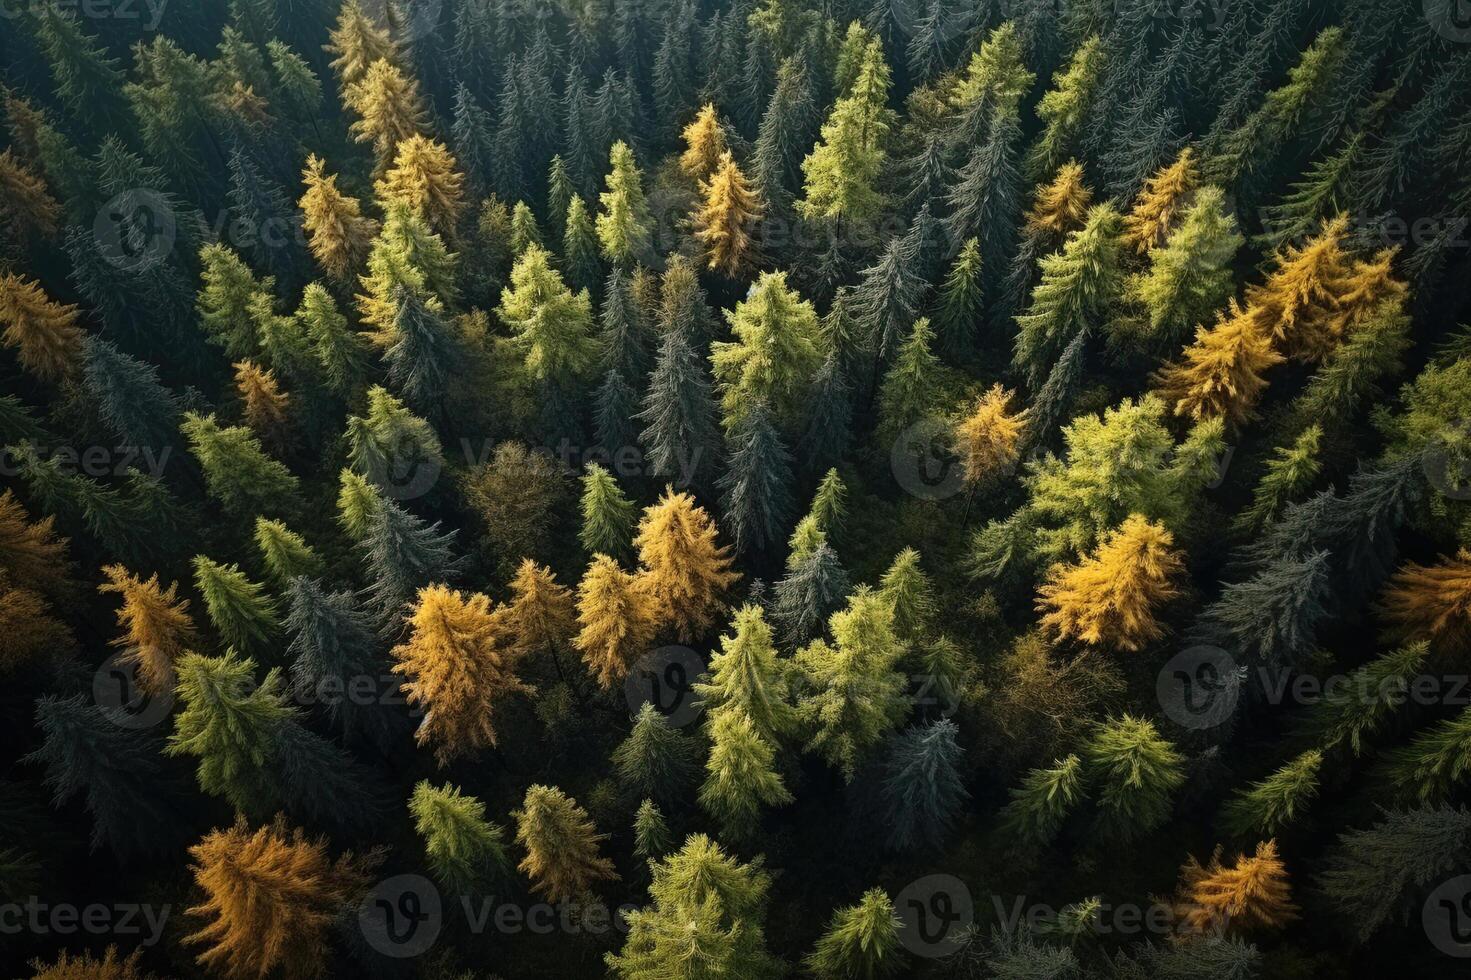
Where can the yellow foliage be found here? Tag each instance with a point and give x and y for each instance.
(337, 232)
(264, 401)
(31, 551)
(45, 333)
(726, 221)
(390, 109)
(704, 145)
(1163, 198)
(561, 844)
(684, 570)
(157, 627)
(1220, 375)
(617, 619)
(1297, 305)
(542, 615)
(26, 206)
(423, 175)
(1062, 205)
(1253, 894)
(357, 42)
(28, 630)
(1430, 601)
(990, 438)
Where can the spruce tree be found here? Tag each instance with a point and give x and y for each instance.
(1137, 773)
(910, 389)
(755, 496)
(237, 471)
(651, 837)
(138, 409)
(625, 226)
(656, 760)
(1272, 804)
(607, 514)
(467, 853)
(739, 776)
(47, 336)
(241, 611)
(1044, 800)
(284, 553)
(680, 434)
(812, 590)
(403, 553)
(861, 941)
(746, 678)
(922, 788)
(562, 845)
(341, 352)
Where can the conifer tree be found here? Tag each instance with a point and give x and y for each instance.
(562, 845)
(842, 170)
(656, 760)
(854, 695)
(607, 514)
(241, 611)
(406, 254)
(705, 145)
(1137, 773)
(1430, 601)
(786, 131)
(1290, 473)
(922, 788)
(341, 352)
(1078, 285)
(466, 852)
(1112, 596)
(755, 498)
(137, 408)
(1189, 276)
(746, 678)
(403, 553)
(524, 231)
(391, 446)
(861, 941)
(625, 225)
(907, 589)
(707, 913)
(812, 590)
(46, 335)
(680, 426)
(259, 204)
(1351, 375)
(892, 291)
(357, 501)
(908, 393)
(829, 503)
(1044, 800)
(225, 303)
(357, 42)
(616, 618)
(739, 776)
(725, 224)
(958, 313)
(828, 432)
(684, 569)
(1277, 801)
(985, 201)
(776, 351)
(389, 109)
(472, 135)
(157, 627)
(580, 246)
(1253, 894)
(31, 551)
(990, 438)
(87, 80)
(425, 176)
(263, 404)
(459, 664)
(1162, 202)
(1065, 106)
(118, 770)
(237, 471)
(1273, 615)
(30, 210)
(1220, 375)
(553, 325)
(651, 837)
(1297, 303)
(270, 898)
(284, 553)
(541, 617)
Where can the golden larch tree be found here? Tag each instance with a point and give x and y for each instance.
(425, 176)
(725, 223)
(684, 569)
(389, 107)
(562, 845)
(617, 620)
(1062, 205)
(271, 896)
(1111, 597)
(31, 551)
(27, 209)
(1430, 601)
(1297, 304)
(990, 437)
(542, 614)
(338, 232)
(1368, 286)
(263, 403)
(157, 628)
(29, 631)
(459, 663)
(1254, 894)
(1163, 199)
(44, 333)
(1220, 375)
(704, 142)
(356, 43)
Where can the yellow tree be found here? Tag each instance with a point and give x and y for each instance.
(28, 630)
(263, 402)
(1163, 198)
(1430, 601)
(684, 570)
(27, 208)
(338, 233)
(157, 627)
(31, 551)
(542, 615)
(704, 145)
(617, 620)
(1110, 598)
(424, 175)
(1061, 206)
(271, 896)
(1254, 894)
(389, 107)
(45, 334)
(459, 664)
(1363, 293)
(726, 222)
(1298, 303)
(561, 843)
(356, 43)
(1220, 374)
(990, 437)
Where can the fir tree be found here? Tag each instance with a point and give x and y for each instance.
(651, 837)
(908, 590)
(138, 409)
(580, 246)
(389, 107)
(466, 852)
(958, 312)
(1044, 800)
(403, 554)
(656, 760)
(553, 325)
(1290, 473)
(726, 223)
(625, 225)
(812, 590)
(341, 352)
(990, 438)
(562, 845)
(776, 350)
(755, 498)
(985, 200)
(237, 471)
(908, 394)
(739, 775)
(157, 627)
(241, 611)
(607, 514)
(1137, 773)
(1162, 202)
(745, 678)
(284, 553)
(828, 432)
(1272, 804)
(680, 425)
(260, 205)
(861, 941)
(705, 145)
(425, 176)
(1065, 106)
(1272, 616)
(922, 787)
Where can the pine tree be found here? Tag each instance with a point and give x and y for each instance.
(1161, 204)
(1272, 616)
(1289, 475)
(271, 897)
(1137, 772)
(138, 409)
(1220, 375)
(1350, 376)
(87, 80)
(989, 438)
(854, 695)
(861, 941)
(617, 620)
(707, 917)
(562, 845)
(985, 201)
(425, 176)
(157, 628)
(651, 837)
(891, 292)
(812, 590)
(726, 222)
(1044, 800)
(910, 387)
(225, 303)
(746, 679)
(341, 352)
(625, 225)
(922, 788)
(828, 432)
(739, 775)
(237, 471)
(1190, 275)
(333, 642)
(755, 498)
(466, 852)
(1277, 801)
(459, 664)
(119, 770)
(842, 170)
(907, 589)
(1296, 305)
(391, 446)
(1254, 894)
(541, 618)
(786, 131)
(656, 760)
(405, 255)
(403, 555)
(389, 109)
(46, 335)
(1078, 286)
(241, 611)
(777, 349)
(1430, 601)
(357, 42)
(680, 425)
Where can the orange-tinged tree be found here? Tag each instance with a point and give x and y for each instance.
(704, 145)
(542, 614)
(1254, 894)
(1221, 374)
(1297, 305)
(1363, 293)
(45, 333)
(263, 402)
(683, 568)
(28, 630)
(617, 620)
(84, 966)
(31, 551)
(1061, 206)
(1110, 598)
(459, 663)
(990, 437)
(726, 221)
(389, 108)
(338, 233)
(1162, 200)
(157, 627)
(562, 845)
(270, 897)
(425, 175)
(27, 209)
(1430, 601)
